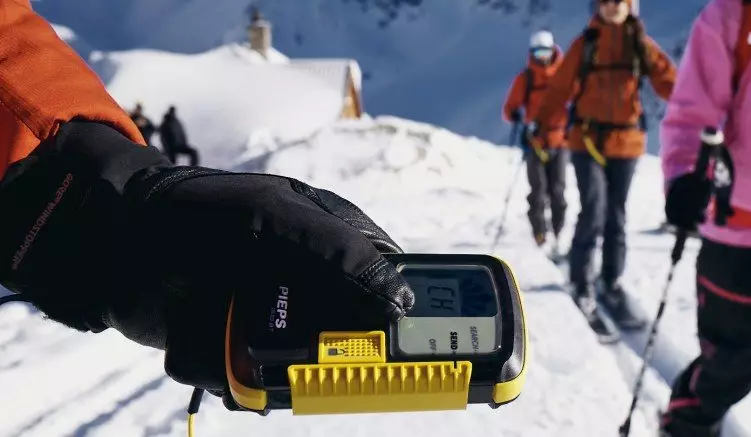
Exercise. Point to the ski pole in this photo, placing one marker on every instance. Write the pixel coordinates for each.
(514, 132)
(711, 140)
(680, 242)
(506, 203)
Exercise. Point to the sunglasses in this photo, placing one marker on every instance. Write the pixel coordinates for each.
(542, 53)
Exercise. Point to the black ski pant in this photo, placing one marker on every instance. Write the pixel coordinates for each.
(603, 192)
(173, 153)
(721, 376)
(547, 182)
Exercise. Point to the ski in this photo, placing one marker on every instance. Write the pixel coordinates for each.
(604, 327)
(626, 316)
(667, 228)
(601, 324)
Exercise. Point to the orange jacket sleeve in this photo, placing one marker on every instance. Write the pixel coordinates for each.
(662, 71)
(563, 85)
(515, 96)
(44, 83)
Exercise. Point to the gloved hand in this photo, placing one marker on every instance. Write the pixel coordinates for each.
(529, 132)
(533, 129)
(101, 233)
(516, 116)
(687, 200)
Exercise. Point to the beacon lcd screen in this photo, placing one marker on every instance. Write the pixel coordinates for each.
(455, 311)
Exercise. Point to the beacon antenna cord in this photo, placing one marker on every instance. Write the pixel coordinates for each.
(195, 403)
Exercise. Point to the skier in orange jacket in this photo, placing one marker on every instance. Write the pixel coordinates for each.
(547, 157)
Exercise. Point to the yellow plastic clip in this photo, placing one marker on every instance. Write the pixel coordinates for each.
(590, 145)
(352, 376)
(539, 151)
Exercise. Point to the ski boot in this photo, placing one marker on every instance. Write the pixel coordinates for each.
(619, 305)
(715, 431)
(584, 297)
(540, 239)
(555, 251)
(681, 428)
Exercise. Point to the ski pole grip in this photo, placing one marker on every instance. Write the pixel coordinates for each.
(711, 138)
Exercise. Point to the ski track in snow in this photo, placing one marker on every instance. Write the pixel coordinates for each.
(432, 191)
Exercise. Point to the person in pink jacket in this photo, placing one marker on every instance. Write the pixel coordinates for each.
(707, 94)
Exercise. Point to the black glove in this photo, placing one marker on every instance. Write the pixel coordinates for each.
(516, 116)
(101, 233)
(533, 129)
(687, 200)
(530, 131)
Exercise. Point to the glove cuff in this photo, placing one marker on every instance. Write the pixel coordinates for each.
(62, 244)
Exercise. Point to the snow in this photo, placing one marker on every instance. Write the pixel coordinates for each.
(446, 62)
(68, 35)
(223, 96)
(232, 100)
(432, 190)
(65, 33)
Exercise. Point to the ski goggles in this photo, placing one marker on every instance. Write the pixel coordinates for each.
(543, 53)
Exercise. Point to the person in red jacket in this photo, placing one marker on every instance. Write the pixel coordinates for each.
(547, 156)
(101, 231)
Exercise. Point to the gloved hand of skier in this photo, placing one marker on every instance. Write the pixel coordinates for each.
(104, 233)
(529, 133)
(533, 129)
(687, 200)
(516, 116)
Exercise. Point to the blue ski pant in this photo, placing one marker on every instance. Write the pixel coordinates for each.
(603, 191)
(547, 183)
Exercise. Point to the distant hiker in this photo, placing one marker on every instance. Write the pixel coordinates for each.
(145, 126)
(547, 158)
(174, 139)
(601, 76)
(711, 91)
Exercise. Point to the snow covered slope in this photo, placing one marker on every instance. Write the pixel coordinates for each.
(432, 190)
(445, 62)
(225, 97)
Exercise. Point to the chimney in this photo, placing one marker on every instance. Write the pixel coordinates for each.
(259, 33)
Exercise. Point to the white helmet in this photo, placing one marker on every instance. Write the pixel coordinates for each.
(542, 39)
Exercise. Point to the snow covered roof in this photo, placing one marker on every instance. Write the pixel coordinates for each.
(333, 71)
(70, 37)
(230, 92)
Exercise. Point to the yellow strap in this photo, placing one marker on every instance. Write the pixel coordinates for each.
(590, 145)
(539, 151)
(593, 151)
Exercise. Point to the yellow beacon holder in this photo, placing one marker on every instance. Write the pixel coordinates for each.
(464, 342)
